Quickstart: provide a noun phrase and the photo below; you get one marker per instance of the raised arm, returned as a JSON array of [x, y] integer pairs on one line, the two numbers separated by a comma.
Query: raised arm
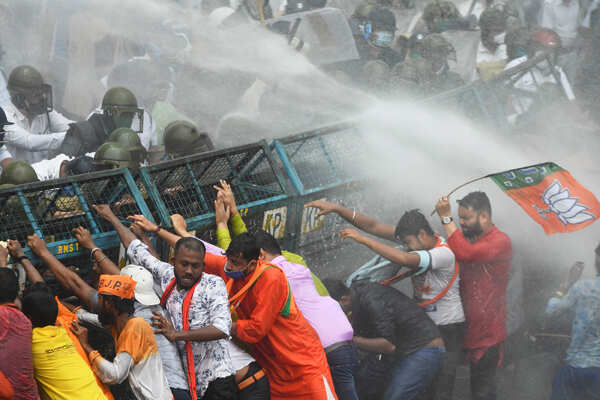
[[104, 211], [105, 264], [361, 221], [147, 226], [67, 278], [18, 255], [397, 256]]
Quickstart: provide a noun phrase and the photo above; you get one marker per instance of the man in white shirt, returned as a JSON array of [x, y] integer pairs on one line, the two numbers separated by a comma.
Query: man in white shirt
[[564, 17], [5, 156], [491, 53], [37, 129]]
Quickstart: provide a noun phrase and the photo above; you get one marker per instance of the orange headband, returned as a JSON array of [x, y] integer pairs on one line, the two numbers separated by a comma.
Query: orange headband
[[117, 285]]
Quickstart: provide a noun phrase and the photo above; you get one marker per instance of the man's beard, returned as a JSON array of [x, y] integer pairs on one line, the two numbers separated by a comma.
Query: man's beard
[[182, 285], [471, 232], [106, 319]]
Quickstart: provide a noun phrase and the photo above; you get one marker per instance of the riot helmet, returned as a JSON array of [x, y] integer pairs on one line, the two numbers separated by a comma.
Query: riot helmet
[[120, 106], [376, 74], [28, 92], [18, 173], [437, 12], [182, 138], [113, 155], [130, 140], [493, 26], [437, 50], [380, 28]]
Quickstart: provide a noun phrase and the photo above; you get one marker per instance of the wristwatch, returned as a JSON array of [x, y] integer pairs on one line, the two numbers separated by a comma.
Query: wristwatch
[[446, 220]]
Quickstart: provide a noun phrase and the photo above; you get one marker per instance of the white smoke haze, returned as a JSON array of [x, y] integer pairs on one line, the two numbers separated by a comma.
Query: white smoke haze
[[419, 153]]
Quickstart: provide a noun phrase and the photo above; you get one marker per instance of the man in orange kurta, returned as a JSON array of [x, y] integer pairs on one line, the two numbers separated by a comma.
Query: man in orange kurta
[[284, 342]]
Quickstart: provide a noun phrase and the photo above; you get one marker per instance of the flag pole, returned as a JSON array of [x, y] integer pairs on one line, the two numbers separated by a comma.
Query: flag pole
[[462, 186], [488, 176]]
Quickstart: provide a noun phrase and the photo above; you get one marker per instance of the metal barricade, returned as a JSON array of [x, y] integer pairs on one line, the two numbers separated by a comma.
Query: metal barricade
[[185, 186], [322, 164], [52, 209]]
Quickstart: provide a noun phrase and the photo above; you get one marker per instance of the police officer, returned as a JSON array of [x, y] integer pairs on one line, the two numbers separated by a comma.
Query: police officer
[[129, 140], [114, 155], [5, 156], [119, 110], [430, 73], [182, 138], [18, 173], [38, 129], [440, 16]]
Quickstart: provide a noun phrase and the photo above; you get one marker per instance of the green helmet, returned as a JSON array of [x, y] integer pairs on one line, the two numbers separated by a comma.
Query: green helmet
[[130, 140], [437, 11], [18, 173], [28, 92], [435, 46], [114, 155], [182, 138], [120, 104], [6, 186]]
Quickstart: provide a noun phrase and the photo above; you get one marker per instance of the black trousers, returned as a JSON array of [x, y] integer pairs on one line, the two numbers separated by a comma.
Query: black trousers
[[259, 390], [221, 389], [483, 375]]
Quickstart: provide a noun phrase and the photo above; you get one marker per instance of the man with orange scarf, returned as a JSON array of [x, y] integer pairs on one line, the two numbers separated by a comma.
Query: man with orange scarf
[[284, 342]]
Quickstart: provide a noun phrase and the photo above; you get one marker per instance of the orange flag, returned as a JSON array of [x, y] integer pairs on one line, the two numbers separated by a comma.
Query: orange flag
[[551, 196]]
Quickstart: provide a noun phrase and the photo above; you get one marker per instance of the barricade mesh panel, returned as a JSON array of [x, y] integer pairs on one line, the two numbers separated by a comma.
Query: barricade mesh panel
[[56, 207], [185, 186], [322, 160]]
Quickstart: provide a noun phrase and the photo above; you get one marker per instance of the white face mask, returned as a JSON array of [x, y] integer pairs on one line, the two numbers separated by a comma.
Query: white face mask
[[499, 39]]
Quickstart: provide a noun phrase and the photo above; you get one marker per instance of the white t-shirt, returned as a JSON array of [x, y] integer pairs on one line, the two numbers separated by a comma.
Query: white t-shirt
[[239, 358], [562, 18], [435, 272]]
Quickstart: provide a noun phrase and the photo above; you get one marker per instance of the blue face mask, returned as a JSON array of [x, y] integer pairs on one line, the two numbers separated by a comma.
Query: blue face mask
[[235, 274], [69, 190]]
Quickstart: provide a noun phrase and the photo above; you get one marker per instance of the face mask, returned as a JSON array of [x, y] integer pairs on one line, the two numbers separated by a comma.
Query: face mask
[[383, 39], [236, 274], [499, 39]]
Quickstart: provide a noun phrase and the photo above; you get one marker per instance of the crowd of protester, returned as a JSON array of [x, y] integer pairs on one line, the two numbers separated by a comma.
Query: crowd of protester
[[243, 318]]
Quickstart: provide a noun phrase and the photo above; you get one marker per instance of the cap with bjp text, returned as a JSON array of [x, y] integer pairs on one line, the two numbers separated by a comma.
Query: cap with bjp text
[[122, 286]]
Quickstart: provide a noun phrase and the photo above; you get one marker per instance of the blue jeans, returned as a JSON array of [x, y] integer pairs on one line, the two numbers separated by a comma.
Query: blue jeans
[[572, 383], [412, 374], [343, 362]]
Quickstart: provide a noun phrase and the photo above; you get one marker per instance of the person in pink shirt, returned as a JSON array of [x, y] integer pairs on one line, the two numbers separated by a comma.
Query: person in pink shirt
[[322, 312]]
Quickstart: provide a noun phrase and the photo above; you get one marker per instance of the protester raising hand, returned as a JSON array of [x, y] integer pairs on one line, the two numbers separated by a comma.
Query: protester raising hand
[[222, 212], [325, 207], [352, 234], [227, 195], [143, 223], [84, 238], [179, 225]]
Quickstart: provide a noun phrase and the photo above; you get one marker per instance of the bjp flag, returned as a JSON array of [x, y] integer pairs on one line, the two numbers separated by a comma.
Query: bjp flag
[[551, 196]]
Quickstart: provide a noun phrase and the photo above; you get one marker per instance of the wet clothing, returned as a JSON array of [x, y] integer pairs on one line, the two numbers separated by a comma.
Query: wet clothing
[[34, 140], [287, 347], [437, 266], [483, 374], [484, 274], [137, 359], [59, 370], [16, 362], [584, 298], [343, 363], [489, 63], [382, 311], [572, 383], [209, 307], [323, 313]]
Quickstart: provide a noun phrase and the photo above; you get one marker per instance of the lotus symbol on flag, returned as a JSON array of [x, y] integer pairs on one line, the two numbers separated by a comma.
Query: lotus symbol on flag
[[566, 208]]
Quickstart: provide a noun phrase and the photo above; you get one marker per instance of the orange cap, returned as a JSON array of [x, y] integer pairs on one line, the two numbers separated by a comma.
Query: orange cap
[[117, 285]]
